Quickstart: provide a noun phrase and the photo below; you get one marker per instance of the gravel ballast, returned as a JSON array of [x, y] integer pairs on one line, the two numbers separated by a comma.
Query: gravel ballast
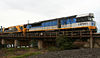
[[78, 53]]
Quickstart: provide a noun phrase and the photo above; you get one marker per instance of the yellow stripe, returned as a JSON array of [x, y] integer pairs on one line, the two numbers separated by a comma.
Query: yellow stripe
[[90, 27]]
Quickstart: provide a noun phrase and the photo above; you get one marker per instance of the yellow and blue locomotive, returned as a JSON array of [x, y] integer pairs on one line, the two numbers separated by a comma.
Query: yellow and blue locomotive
[[75, 22]]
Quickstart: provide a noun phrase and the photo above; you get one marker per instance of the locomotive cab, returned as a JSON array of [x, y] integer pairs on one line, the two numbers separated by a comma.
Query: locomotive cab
[[86, 20]]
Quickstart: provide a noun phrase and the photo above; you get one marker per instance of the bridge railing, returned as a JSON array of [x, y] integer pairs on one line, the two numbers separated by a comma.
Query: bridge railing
[[52, 34]]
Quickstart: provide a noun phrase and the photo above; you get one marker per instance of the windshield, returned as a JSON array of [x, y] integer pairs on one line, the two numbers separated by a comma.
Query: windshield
[[84, 19]]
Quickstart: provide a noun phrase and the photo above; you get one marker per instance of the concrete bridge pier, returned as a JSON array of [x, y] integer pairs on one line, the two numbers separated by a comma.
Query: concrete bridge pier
[[40, 44], [2, 41], [91, 42], [16, 43], [91, 39]]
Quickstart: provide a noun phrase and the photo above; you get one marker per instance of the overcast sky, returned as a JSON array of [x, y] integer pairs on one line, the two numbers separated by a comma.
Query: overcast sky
[[16, 12]]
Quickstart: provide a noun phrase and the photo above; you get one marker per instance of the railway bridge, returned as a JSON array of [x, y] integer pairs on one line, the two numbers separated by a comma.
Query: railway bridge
[[45, 39]]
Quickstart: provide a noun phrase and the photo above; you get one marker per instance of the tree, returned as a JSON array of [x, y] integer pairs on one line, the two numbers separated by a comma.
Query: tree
[[64, 43]]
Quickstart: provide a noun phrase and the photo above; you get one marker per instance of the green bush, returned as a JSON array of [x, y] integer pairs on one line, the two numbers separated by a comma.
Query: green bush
[[64, 43]]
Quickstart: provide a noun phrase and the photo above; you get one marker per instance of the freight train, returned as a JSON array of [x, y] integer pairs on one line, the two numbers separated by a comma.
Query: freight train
[[75, 22]]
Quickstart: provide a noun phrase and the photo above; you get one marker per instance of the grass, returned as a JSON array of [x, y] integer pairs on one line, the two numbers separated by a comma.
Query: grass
[[20, 52], [53, 48], [27, 54], [12, 49], [25, 48]]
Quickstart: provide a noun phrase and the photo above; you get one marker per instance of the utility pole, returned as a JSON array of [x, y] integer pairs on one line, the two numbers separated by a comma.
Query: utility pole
[[28, 22]]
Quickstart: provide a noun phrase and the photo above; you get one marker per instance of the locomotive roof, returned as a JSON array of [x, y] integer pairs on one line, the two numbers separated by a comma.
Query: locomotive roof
[[54, 19], [74, 16]]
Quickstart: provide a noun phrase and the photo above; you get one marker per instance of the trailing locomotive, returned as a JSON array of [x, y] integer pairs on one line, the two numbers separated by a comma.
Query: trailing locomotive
[[18, 28]]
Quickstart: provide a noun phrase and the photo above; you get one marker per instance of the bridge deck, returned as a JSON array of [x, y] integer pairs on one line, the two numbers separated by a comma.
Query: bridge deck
[[72, 34]]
